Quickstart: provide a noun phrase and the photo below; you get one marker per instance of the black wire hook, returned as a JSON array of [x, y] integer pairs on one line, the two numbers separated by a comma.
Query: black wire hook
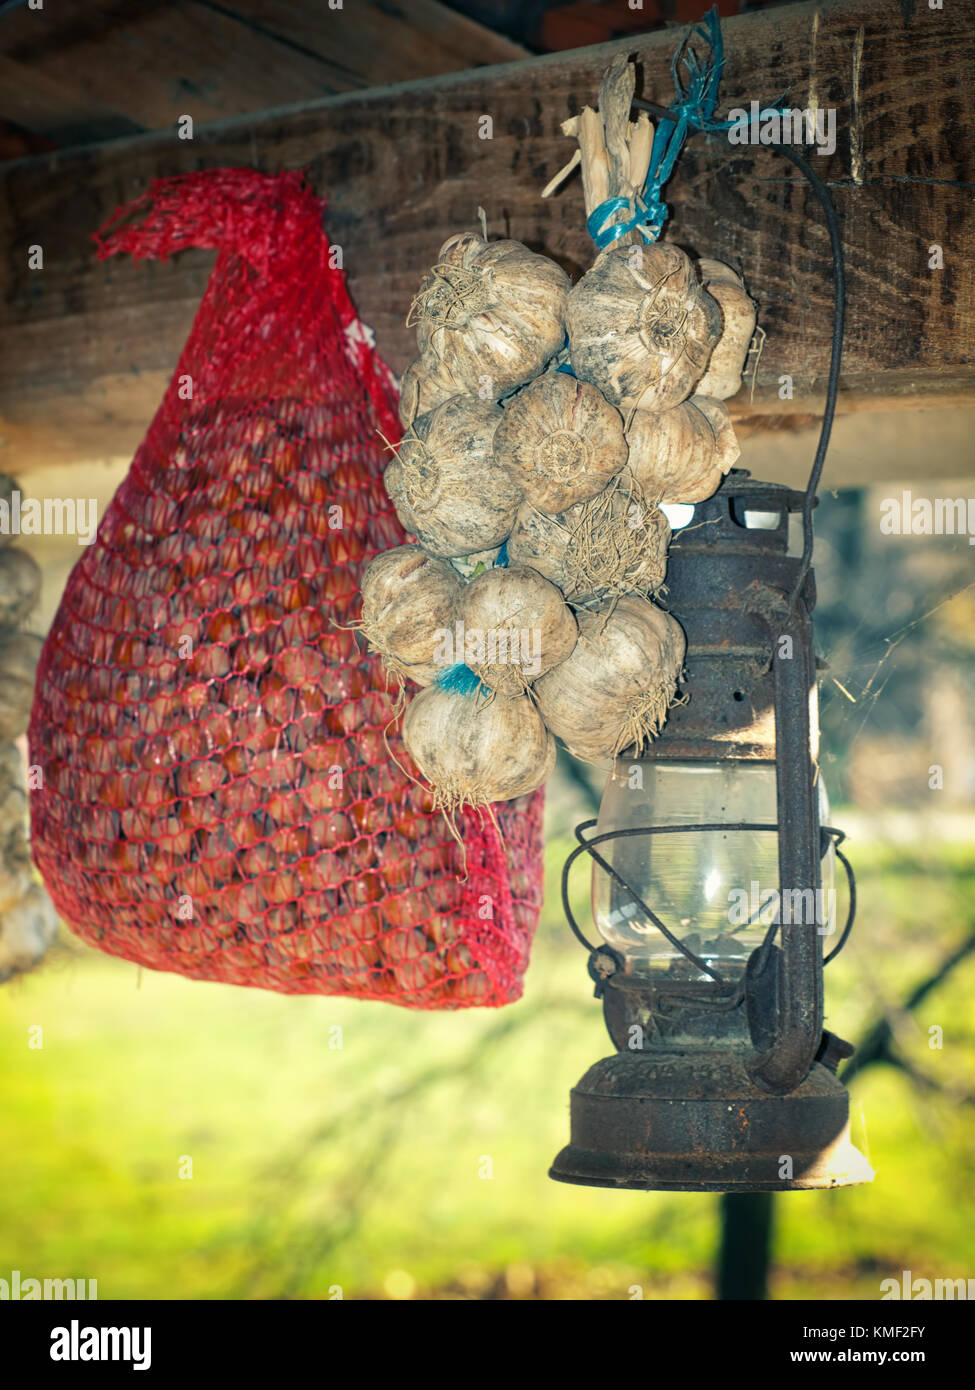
[[839, 323]]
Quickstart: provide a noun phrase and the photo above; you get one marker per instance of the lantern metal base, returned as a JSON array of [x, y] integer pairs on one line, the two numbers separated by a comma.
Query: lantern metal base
[[693, 1121]]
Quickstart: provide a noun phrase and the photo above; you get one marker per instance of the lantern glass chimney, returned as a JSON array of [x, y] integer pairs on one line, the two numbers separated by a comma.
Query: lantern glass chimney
[[717, 890]]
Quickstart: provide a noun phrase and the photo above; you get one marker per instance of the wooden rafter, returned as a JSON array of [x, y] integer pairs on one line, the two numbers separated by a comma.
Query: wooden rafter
[[88, 347]]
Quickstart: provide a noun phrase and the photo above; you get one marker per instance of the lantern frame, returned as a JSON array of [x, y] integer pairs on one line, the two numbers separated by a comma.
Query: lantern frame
[[747, 1099]]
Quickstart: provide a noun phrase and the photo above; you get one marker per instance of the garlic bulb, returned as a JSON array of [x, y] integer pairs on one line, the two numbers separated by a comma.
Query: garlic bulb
[[614, 691], [518, 626], [19, 654], [616, 543], [445, 484], [738, 314], [489, 315], [474, 751], [15, 881], [20, 584], [641, 328], [27, 929], [15, 873], [681, 455], [420, 392], [561, 440], [406, 598]]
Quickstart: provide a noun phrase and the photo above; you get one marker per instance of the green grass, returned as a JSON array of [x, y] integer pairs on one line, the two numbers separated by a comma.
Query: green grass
[[413, 1159]]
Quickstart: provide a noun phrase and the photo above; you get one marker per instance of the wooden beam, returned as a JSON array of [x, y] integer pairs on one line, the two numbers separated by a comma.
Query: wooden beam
[[60, 67], [866, 447], [381, 41], [88, 347]]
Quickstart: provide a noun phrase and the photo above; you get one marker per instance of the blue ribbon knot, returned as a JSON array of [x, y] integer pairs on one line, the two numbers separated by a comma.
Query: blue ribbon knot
[[694, 106]]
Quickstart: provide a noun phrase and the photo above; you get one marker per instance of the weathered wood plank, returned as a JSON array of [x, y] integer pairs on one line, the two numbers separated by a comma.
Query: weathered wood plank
[[140, 66], [116, 69], [88, 346], [383, 41]]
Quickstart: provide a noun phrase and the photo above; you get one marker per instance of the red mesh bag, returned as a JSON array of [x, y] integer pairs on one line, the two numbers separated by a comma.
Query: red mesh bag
[[218, 799]]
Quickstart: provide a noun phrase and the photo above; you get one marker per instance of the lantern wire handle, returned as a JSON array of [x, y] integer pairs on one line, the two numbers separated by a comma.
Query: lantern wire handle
[[587, 846], [851, 911], [835, 357], [836, 348]]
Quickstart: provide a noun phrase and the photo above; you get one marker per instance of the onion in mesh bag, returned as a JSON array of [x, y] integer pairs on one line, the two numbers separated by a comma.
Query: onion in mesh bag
[[218, 795]]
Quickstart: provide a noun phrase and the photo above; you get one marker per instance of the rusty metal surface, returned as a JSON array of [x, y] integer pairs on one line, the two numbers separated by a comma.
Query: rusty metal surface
[[716, 1083], [728, 586], [749, 695], [694, 1121], [798, 1026]]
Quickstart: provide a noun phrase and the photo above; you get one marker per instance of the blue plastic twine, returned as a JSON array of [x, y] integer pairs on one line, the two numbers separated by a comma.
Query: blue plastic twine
[[459, 680], [694, 106]]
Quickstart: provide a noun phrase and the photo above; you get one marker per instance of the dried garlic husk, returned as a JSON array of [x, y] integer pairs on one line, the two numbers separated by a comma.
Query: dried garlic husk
[[407, 596], [27, 929], [561, 440], [616, 543], [420, 392], [15, 880], [15, 873], [490, 314], [519, 623], [641, 328], [738, 315], [19, 654], [614, 691], [20, 584], [445, 484], [7, 489], [681, 455], [473, 751]]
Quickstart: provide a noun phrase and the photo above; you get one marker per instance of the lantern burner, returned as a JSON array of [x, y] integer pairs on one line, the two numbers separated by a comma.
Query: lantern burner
[[692, 1120]]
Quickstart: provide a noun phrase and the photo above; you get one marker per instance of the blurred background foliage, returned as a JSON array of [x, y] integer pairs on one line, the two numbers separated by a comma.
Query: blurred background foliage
[[410, 1161]]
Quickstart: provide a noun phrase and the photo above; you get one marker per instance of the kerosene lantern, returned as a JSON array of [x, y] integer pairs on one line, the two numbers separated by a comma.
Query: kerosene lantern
[[712, 876]]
